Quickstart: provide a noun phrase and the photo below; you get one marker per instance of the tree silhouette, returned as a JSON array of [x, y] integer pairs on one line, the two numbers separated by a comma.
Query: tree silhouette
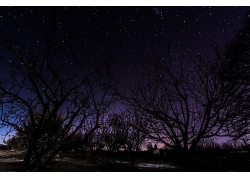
[[237, 69], [182, 105], [39, 88], [237, 52], [135, 138], [113, 135], [120, 132]]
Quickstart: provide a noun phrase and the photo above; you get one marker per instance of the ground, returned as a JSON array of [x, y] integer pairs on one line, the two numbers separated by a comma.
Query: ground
[[204, 161], [12, 160]]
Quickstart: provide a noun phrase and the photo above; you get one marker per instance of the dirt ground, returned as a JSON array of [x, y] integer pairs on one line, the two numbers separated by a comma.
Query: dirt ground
[[12, 160]]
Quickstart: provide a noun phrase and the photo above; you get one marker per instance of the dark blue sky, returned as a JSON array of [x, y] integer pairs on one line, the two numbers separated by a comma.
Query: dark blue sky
[[142, 31]]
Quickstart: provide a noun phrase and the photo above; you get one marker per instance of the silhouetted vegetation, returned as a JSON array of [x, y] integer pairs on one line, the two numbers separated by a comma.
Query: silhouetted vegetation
[[64, 119], [181, 107], [46, 102], [237, 69]]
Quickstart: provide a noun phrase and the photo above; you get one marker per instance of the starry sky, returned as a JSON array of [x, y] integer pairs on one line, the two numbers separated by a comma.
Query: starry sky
[[136, 32]]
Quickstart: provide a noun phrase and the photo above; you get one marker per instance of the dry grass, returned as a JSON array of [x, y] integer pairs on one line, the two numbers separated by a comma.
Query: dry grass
[[11, 154], [12, 161]]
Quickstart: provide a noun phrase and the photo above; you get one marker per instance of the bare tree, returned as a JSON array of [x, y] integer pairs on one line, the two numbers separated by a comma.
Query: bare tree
[[93, 144], [136, 138], [131, 139], [149, 147], [236, 71], [112, 136], [182, 104], [120, 132], [209, 144], [39, 87], [23, 137], [231, 144]]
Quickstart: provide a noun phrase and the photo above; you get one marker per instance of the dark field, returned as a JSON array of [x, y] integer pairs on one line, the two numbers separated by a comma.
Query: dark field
[[204, 161]]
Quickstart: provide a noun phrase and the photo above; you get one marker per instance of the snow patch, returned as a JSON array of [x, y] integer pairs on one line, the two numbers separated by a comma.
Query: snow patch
[[154, 166]]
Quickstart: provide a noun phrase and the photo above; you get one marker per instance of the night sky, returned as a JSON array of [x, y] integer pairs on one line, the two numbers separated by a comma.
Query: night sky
[[141, 31]]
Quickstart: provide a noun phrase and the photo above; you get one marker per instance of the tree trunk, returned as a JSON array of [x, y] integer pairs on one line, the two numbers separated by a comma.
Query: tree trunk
[[189, 156], [28, 155], [27, 159]]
